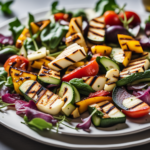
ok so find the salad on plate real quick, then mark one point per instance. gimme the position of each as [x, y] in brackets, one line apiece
[91, 60]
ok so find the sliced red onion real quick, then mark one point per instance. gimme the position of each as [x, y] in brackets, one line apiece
[4, 90]
[10, 98]
[6, 40]
[86, 122]
[52, 85]
[85, 26]
[32, 113]
[145, 42]
[63, 22]
[137, 87]
[135, 31]
[147, 29]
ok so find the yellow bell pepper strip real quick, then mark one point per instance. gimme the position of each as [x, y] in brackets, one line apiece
[25, 33]
[83, 104]
[135, 46]
[20, 76]
[102, 49]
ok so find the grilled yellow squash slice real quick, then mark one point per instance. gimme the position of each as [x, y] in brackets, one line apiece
[20, 76]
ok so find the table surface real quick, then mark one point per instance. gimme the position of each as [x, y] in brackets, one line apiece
[10, 140]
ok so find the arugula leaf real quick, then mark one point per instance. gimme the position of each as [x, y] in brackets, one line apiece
[52, 35]
[5, 7]
[82, 87]
[103, 5]
[9, 82]
[16, 28]
[38, 123]
[54, 9]
[148, 19]
[79, 12]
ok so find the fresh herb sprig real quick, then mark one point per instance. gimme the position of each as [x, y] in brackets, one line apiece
[4, 7]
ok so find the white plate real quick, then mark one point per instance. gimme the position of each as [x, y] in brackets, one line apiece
[10, 120]
[131, 126]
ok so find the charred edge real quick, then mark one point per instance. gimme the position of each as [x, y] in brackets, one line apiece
[143, 68]
[111, 83]
[98, 21]
[65, 99]
[127, 47]
[86, 79]
[32, 62]
[82, 53]
[69, 59]
[46, 72]
[56, 65]
[137, 45]
[104, 105]
[78, 25]
[13, 63]
[46, 68]
[48, 59]
[39, 24]
[96, 27]
[96, 33]
[41, 75]
[58, 75]
[74, 40]
[30, 87]
[133, 67]
[39, 91]
[49, 96]
[125, 39]
[75, 52]
[21, 78]
[131, 64]
[93, 80]
[136, 105]
[53, 101]
[111, 108]
[32, 92]
[115, 76]
[16, 74]
[41, 94]
[27, 78]
[66, 89]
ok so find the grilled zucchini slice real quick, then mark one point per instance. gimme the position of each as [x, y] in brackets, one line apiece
[49, 76]
[46, 101]
[68, 95]
[96, 33]
[69, 56]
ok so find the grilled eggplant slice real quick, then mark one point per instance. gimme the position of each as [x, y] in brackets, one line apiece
[77, 38]
[69, 56]
[96, 82]
[46, 101]
[20, 76]
[37, 64]
[96, 33]
[135, 67]
[68, 95]
[49, 76]
[107, 114]
[75, 26]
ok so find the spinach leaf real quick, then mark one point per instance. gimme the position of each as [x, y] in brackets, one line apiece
[38, 123]
[52, 35]
[16, 28]
[103, 5]
[54, 9]
[28, 44]
[5, 7]
[9, 82]
[31, 19]
[82, 87]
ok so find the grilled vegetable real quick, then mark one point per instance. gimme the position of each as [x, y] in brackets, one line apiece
[96, 33]
[96, 82]
[122, 58]
[83, 105]
[75, 113]
[102, 49]
[131, 105]
[107, 64]
[123, 39]
[107, 114]
[144, 55]
[112, 77]
[68, 95]
[134, 67]
[134, 46]
[77, 95]
[46, 101]
[25, 33]
[37, 64]
[23, 51]
[75, 26]
[20, 76]
[39, 26]
[49, 76]
[135, 78]
[77, 38]
[69, 56]
[41, 53]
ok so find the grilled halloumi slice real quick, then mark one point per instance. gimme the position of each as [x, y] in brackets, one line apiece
[41, 53]
[135, 67]
[75, 26]
[77, 38]
[96, 33]
[46, 100]
[69, 56]
[49, 76]
[96, 82]
[112, 76]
